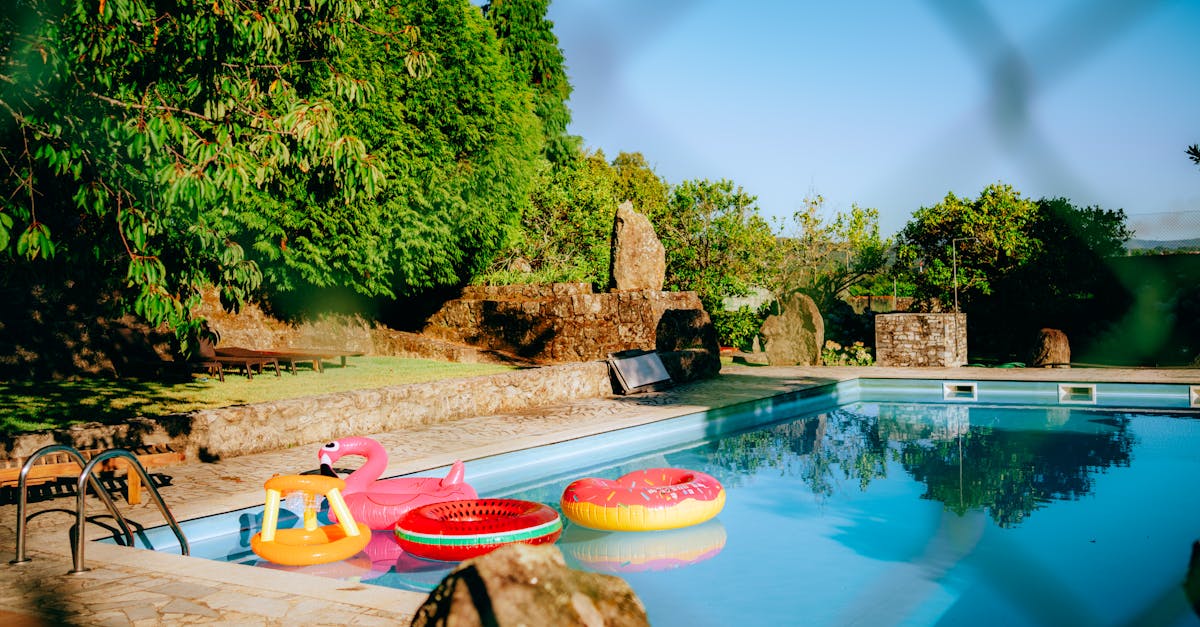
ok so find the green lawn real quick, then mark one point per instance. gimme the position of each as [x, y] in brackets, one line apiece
[37, 405]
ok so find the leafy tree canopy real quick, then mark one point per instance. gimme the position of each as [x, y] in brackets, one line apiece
[967, 243]
[458, 142]
[717, 243]
[825, 259]
[565, 232]
[137, 134]
[1021, 266]
[527, 38]
[153, 149]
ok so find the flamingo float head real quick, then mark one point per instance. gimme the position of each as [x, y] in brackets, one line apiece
[365, 447]
[377, 460]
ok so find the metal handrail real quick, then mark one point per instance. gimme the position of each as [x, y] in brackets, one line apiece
[22, 499]
[86, 475]
[134, 464]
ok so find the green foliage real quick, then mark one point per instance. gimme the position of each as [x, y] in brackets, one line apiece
[846, 326]
[827, 260]
[139, 134]
[566, 230]
[739, 328]
[857, 354]
[968, 244]
[1193, 153]
[1021, 266]
[891, 280]
[527, 38]
[717, 243]
[379, 150]
[637, 182]
[457, 144]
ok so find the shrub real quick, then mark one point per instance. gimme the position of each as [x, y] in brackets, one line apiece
[857, 354]
[738, 328]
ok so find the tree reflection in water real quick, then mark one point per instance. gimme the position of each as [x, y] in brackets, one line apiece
[1006, 461]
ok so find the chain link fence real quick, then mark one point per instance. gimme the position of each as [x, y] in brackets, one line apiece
[1165, 231]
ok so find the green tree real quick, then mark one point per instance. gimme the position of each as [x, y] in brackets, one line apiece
[566, 231]
[528, 39]
[138, 135]
[1021, 266]
[1193, 153]
[825, 260]
[458, 142]
[717, 243]
[961, 246]
[638, 183]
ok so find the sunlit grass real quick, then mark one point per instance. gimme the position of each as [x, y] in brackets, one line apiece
[37, 405]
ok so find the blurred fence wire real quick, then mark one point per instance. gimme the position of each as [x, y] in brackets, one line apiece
[1166, 226]
[1017, 72]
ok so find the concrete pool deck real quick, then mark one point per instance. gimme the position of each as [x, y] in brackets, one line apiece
[129, 586]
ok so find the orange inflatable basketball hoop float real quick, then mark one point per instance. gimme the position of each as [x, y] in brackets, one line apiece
[310, 544]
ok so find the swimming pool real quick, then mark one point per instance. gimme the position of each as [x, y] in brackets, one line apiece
[875, 501]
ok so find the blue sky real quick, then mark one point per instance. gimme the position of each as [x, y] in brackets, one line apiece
[892, 104]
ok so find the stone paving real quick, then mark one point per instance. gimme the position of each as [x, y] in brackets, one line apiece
[135, 587]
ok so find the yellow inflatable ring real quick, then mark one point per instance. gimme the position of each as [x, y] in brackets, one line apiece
[310, 544]
[645, 500]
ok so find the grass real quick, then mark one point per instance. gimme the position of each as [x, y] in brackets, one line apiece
[38, 405]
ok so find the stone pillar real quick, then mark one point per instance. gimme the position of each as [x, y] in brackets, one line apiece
[921, 339]
[639, 260]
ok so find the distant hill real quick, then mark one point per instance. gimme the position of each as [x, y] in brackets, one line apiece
[1163, 244]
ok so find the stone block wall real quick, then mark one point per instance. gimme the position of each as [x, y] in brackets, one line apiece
[253, 428]
[566, 322]
[532, 291]
[921, 339]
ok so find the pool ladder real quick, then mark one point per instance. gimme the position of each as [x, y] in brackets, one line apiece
[86, 476]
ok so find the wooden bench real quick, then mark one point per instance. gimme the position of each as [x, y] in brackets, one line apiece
[54, 466]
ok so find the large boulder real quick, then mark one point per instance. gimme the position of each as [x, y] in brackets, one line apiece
[795, 335]
[639, 261]
[519, 584]
[1051, 350]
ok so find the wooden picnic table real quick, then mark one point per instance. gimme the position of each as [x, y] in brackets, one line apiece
[290, 356]
[244, 357]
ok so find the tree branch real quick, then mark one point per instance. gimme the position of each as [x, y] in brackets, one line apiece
[142, 107]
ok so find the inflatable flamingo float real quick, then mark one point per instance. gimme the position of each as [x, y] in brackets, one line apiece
[378, 503]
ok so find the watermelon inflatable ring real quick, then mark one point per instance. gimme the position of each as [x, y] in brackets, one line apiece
[457, 530]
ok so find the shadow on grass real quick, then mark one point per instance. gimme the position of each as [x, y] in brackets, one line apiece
[42, 405]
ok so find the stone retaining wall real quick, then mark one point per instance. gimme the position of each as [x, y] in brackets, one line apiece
[565, 322]
[239, 430]
[908, 340]
[531, 291]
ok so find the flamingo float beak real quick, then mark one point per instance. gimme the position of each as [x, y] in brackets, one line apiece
[327, 467]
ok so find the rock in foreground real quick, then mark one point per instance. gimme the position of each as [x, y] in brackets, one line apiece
[519, 584]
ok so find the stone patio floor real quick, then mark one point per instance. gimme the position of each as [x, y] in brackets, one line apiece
[135, 587]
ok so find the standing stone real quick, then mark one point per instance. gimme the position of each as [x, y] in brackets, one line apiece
[795, 335]
[639, 261]
[1051, 350]
[519, 584]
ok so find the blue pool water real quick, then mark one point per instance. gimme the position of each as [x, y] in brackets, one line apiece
[874, 503]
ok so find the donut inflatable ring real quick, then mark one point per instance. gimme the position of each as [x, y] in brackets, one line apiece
[457, 530]
[644, 500]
